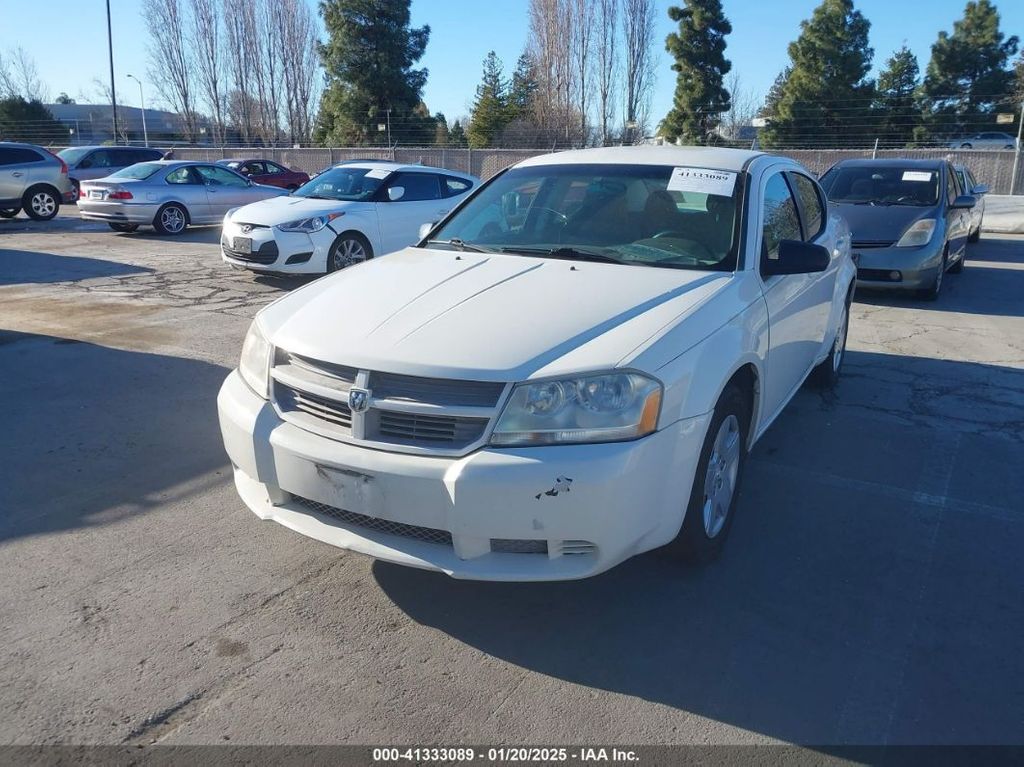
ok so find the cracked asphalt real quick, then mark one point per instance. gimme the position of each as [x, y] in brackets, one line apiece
[871, 592]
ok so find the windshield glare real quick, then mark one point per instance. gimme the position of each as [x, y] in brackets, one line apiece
[882, 185]
[347, 184]
[138, 171]
[72, 155]
[622, 213]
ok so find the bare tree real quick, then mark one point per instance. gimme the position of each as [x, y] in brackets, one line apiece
[552, 24]
[239, 24]
[20, 77]
[170, 59]
[606, 53]
[581, 49]
[638, 37]
[206, 41]
[7, 87]
[299, 64]
[266, 48]
[743, 107]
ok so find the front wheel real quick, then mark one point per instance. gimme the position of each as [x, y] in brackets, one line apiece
[171, 219]
[9, 212]
[41, 203]
[349, 249]
[712, 503]
[932, 293]
[122, 227]
[826, 374]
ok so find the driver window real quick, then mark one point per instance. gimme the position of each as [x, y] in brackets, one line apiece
[215, 176]
[781, 221]
[184, 175]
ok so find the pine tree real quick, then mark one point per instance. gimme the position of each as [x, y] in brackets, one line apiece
[826, 99]
[968, 80]
[774, 95]
[490, 112]
[457, 136]
[699, 52]
[369, 58]
[442, 136]
[897, 108]
[524, 88]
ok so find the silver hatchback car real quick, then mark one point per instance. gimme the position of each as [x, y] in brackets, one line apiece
[168, 195]
[32, 179]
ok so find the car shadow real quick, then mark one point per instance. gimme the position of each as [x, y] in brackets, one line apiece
[209, 235]
[109, 432]
[36, 267]
[869, 592]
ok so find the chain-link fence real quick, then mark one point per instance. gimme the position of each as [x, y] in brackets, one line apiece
[991, 167]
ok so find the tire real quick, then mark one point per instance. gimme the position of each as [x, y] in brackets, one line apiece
[123, 227]
[78, 190]
[826, 374]
[41, 203]
[723, 457]
[350, 248]
[961, 262]
[932, 293]
[9, 212]
[171, 219]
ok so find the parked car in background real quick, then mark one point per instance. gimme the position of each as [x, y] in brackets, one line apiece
[991, 140]
[909, 221]
[968, 185]
[32, 179]
[89, 162]
[268, 172]
[568, 371]
[346, 215]
[168, 195]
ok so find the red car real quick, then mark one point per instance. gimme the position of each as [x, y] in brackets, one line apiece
[267, 172]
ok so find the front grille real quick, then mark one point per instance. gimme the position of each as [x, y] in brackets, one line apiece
[315, 369]
[267, 253]
[518, 546]
[415, 532]
[416, 427]
[435, 391]
[869, 244]
[330, 410]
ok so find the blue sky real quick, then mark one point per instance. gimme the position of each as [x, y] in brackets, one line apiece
[67, 38]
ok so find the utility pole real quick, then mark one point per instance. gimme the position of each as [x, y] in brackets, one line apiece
[145, 133]
[110, 51]
[1016, 151]
[389, 127]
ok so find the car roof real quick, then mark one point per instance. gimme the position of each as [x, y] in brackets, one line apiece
[21, 145]
[226, 160]
[897, 162]
[398, 166]
[718, 158]
[113, 146]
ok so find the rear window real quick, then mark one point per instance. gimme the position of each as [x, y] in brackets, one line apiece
[16, 155]
[882, 185]
[139, 171]
[73, 154]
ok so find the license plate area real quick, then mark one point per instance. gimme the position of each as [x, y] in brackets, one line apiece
[241, 244]
[350, 490]
[94, 195]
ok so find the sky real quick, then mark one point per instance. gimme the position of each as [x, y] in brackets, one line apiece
[67, 39]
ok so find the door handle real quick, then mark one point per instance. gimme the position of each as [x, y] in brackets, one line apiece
[17, 174]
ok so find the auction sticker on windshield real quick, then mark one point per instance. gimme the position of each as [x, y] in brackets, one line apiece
[378, 173]
[702, 180]
[917, 175]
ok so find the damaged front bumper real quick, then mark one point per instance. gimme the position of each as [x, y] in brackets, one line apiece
[544, 513]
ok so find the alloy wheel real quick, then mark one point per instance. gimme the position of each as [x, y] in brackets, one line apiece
[43, 204]
[349, 251]
[721, 475]
[173, 219]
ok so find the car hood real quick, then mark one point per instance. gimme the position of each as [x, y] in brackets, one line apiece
[285, 208]
[881, 222]
[488, 317]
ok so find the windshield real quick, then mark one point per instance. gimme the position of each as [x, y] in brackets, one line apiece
[645, 215]
[139, 171]
[72, 155]
[349, 184]
[882, 185]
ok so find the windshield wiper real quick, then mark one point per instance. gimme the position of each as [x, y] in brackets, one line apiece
[462, 245]
[569, 254]
[873, 202]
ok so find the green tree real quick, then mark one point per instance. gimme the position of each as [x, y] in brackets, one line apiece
[490, 112]
[699, 52]
[774, 95]
[369, 58]
[457, 136]
[30, 121]
[441, 133]
[524, 88]
[64, 98]
[1018, 88]
[897, 106]
[968, 79]
[826, 99]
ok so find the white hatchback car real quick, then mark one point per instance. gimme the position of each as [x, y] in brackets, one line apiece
[343, 216]
[568, 371]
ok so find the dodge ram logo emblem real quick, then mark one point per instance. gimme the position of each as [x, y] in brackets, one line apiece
[358, 400]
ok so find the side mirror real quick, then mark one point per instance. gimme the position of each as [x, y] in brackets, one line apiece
[797, 257]
[980, 189]
[964, 202]
[425, 229]
[396, 193]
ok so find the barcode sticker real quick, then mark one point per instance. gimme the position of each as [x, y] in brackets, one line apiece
[917, 175]
[702, 180]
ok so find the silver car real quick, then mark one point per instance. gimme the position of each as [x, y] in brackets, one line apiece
[991, 140]
[89, 162]
[32, 179]
[968, 185]
[168, 195]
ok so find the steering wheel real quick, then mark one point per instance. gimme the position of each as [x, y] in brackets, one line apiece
[562, 218]
[683, 238]
[906, 198]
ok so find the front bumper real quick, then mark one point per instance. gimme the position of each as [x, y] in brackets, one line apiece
[916, 266]
[592, 505]
[117, 212]
[272, 249]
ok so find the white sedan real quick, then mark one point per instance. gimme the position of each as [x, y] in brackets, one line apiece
[568, 371]
[345, 215]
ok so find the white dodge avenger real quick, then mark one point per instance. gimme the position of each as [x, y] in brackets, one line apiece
[568, 370]
[344, 216]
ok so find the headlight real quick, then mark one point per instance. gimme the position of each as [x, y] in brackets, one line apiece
[309, 225]
[254, 366]
[919, 233]
[605, 407]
